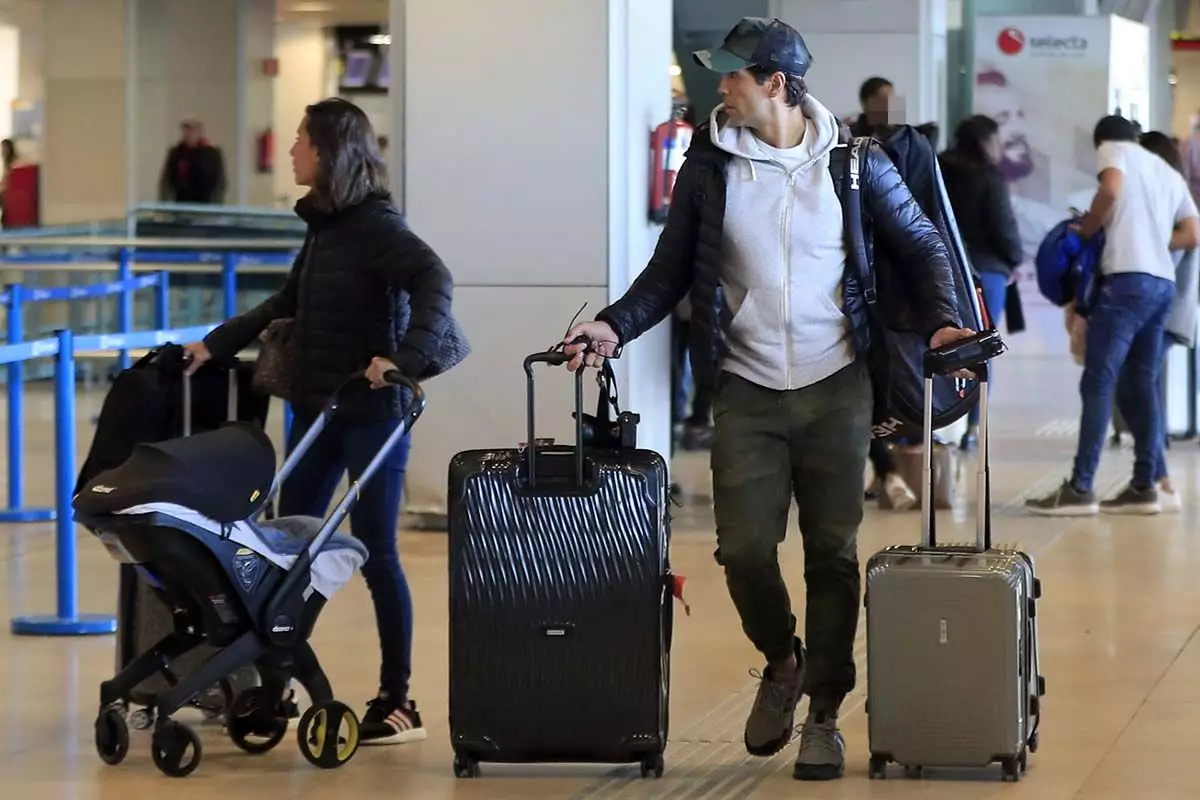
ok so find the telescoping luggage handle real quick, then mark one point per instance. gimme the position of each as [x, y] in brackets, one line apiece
[187, 396]
[973, 354]
[553, 358]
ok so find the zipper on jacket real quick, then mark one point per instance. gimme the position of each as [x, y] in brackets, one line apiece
[787, 277]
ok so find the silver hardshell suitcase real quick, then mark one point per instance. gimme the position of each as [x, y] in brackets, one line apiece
[952, 647]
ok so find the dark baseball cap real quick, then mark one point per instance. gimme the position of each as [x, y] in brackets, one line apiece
[759, 42]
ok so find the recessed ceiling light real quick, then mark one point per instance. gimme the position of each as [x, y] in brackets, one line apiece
[311, 8]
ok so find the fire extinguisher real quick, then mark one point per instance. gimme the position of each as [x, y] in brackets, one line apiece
[668, 144]
[266, 151]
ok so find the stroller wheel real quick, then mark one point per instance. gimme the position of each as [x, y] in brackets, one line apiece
[169, 748]
[112, 736]
[328, 734]
[253, 725]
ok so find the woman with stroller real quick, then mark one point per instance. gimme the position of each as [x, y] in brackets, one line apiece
[365, 293]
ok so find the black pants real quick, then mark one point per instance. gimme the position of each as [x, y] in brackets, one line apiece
[811, 444]
[349, 447]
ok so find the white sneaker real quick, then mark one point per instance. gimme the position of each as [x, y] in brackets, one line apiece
[900, 496]
[1169, 500]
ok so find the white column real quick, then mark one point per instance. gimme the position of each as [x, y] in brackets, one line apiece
[535, 210]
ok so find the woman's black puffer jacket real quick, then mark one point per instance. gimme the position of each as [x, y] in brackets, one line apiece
[363, 285]
[984, 212]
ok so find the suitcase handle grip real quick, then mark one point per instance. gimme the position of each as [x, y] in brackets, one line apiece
[553, 358]
[971, 353]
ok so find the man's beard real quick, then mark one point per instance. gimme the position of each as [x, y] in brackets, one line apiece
[1016, 165]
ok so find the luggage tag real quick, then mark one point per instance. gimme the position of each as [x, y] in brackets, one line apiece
[677, 582]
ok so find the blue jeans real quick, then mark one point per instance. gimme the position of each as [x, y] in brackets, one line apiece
[308, 491]
[1127, 406]
[1125, 335]
[995, 293]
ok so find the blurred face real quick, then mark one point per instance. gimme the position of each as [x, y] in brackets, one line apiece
[304, 157]
[747, 102]
[189, 135]
[879, 104]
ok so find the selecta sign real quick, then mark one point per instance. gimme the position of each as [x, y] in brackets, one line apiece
[1012, 41]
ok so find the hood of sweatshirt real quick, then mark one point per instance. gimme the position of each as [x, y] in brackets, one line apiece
[820, 137]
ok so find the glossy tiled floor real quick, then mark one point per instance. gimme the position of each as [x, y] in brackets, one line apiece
[1118, 620]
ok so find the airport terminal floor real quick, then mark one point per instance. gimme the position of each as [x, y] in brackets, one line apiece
[1118, 619]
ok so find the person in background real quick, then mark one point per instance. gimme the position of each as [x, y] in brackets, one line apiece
[695, 429]
[194, 170]
[1147, 212]
[779, 323]
[979, 197]
[366, 294]
[875, 98]
[1180, 327]
[8, 158]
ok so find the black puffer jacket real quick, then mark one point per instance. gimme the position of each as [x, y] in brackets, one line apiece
[687, 260]
[363, 285]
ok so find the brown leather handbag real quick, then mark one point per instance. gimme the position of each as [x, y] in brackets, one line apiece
[276, 360]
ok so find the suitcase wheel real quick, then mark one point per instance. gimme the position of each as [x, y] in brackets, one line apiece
[112, 736]
[653, 766]
[878, 768]
[465, 766]
[1013, 767]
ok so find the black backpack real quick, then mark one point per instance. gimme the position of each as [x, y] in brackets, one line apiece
[897, 346]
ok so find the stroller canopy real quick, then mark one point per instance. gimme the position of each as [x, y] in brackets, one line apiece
[223, 474]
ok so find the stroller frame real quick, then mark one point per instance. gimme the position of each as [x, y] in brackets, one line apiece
[275, 640]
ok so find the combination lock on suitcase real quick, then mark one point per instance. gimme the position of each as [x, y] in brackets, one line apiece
[560, 602]
[952, 646]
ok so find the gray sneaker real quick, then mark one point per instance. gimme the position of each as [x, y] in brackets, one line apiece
[1133, 501]
[822, 750]
[773, 717]
[1065, 501]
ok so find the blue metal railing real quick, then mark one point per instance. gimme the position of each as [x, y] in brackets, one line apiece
[67, 619]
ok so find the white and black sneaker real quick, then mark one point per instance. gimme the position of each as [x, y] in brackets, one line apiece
[388, 722]
[1065, 501]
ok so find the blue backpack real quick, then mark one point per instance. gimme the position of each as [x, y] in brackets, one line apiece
[1067, 266]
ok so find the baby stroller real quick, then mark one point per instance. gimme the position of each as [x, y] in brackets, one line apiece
[184, 513]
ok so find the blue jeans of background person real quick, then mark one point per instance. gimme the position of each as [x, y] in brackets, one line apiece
[995, 292]
[1126, 404]
[1125, 334]
[349, 447]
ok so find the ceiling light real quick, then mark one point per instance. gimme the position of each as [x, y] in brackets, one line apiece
[311, 8]
[383, 39]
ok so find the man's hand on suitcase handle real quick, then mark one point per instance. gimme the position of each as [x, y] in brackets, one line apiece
[589, 343]
[950, 335]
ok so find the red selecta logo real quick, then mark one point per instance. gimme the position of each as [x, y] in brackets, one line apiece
[1011, 41]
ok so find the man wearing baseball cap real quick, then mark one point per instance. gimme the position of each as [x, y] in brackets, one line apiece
[756, 239]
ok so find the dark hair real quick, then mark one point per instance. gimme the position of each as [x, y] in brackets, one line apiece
[1114, 128]
[871, 87]
[1162, 146]
[349, 168]
[971, 135]
[793, 85]
[8, 151]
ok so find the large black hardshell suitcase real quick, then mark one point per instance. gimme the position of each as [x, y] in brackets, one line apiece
[560, 602]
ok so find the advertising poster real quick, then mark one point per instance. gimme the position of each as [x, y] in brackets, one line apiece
[1047, 80]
